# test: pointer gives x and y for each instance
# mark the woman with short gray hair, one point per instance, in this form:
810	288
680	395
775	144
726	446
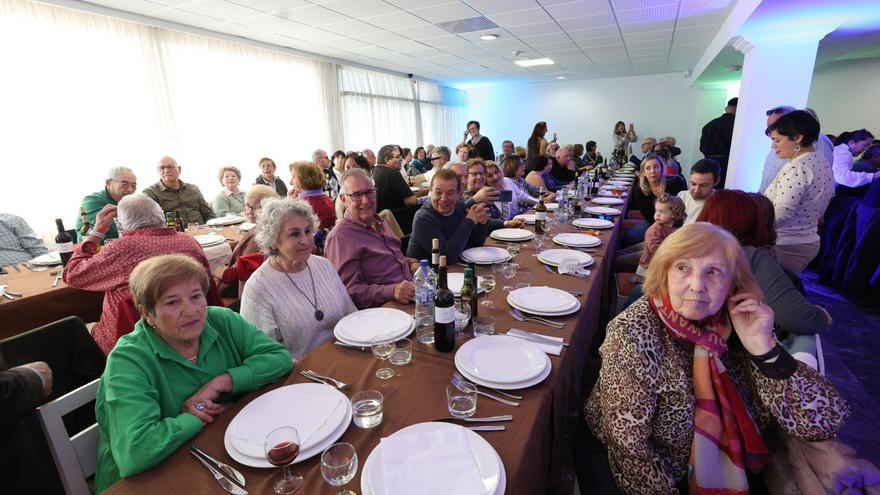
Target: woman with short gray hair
295	297
144	235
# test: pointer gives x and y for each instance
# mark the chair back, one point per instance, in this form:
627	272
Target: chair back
76	457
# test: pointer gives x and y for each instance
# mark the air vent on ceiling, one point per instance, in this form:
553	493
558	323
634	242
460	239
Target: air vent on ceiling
468	25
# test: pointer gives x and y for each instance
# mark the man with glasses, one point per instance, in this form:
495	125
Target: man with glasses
321	159
364	249
439	157
174	195
391	189
647	147
121	182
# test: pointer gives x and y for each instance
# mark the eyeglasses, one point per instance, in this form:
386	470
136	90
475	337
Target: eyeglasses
127	185
167	167
435	158
357	196
476	174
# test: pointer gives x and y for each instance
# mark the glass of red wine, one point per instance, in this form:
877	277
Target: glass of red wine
282	447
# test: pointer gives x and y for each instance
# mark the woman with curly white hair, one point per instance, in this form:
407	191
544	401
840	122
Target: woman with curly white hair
294	297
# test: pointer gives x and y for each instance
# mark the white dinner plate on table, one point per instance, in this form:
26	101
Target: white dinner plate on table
609	194
528	218
49	259
247	226
360	327
506	386
551	206
554	257
485	255
206	240
621	181
592	223
511	235
487	460
501	359
607	201
455	280
602	210
292	405
225	220
536	312
542	298
571	239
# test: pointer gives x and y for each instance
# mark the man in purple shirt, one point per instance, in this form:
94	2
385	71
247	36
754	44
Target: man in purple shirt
364	249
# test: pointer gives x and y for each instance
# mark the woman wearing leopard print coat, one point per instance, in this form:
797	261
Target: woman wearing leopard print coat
691	374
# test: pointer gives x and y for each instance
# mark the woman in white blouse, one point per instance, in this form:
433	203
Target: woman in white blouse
294	297
801	190
850	144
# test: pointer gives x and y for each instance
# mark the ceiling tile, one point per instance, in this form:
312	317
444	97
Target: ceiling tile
546	39
188	18
573	9
421	32
311	34
271	23
271	5
412	4
351	28
378	38
445	12
446	42
662	34
598	42
703	20
494	6
136	6
346	44
640	4
403	46
423	52
220	9
535	29
520	17
696	7
647	26
371	51
394	21
583	34
360	8
649	15
592	22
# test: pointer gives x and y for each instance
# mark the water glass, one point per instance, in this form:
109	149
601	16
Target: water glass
339	464
462	315
367	408
402	353
281	447
461	399
484	325
383	346
522	280
425	333
513	249
509	271
487	282
538	242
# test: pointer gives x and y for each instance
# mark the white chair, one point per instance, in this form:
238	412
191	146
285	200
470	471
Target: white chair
75	457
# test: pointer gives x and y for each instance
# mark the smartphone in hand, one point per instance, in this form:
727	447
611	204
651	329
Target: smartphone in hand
506	196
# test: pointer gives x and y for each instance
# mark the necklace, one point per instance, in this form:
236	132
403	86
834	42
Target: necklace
319	315
193	358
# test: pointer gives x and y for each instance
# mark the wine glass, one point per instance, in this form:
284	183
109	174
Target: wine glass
281	448
538	243
487	282
512	249
339	464
462	316
509	271
383	347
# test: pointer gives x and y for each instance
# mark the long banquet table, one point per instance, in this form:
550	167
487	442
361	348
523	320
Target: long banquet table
529	448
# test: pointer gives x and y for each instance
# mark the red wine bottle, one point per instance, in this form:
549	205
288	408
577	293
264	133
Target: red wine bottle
435	255
444	312
282	454
63	242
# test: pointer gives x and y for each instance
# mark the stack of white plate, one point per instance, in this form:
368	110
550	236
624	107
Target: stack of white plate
455	280
607	201
502	362
554	257
592	223
207	240
488	462
609	194
49	259
512	235
246	226
576	240
602	210
485	255
226	220
621	181
543	301
528	218
321	414
360	327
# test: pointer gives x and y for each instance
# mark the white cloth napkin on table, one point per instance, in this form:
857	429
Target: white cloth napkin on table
549	349
439	462
577	271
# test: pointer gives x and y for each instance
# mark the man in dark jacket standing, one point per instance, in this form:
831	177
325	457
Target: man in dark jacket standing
717	136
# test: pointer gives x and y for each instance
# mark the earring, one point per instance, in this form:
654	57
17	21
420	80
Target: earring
797	148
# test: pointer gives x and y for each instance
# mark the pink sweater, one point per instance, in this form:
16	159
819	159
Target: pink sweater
653	237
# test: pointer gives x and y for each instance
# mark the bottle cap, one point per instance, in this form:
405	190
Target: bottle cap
435	243
443	261
423	263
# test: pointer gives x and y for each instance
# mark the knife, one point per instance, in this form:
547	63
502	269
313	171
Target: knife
506	417
535	338
224	482
57	278
225	468
486	428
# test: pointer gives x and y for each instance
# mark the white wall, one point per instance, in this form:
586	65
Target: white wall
845	95
579	111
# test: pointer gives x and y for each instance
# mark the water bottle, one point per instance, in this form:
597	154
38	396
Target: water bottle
425	281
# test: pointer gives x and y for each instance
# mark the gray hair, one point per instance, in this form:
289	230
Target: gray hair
443	150
139	211
317	155
452	163
275	212
354	172
115	171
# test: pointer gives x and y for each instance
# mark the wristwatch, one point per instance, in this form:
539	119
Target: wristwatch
94	233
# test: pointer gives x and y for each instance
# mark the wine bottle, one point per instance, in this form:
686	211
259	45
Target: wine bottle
169	219
86	224
63	242
444	312
435	255
540	213
476	290
468	290
178	222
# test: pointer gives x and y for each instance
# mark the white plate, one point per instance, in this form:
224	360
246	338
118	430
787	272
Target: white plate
592	223
607	201
621	181
488	461
247	226
227	220
546	313
553	257
454	281
602	210
576	240
49	259
511	235
528	218
551	206
541	298
396	336
507	386
362	326
502	359
607	193
329	432
209	239
485	255
415	189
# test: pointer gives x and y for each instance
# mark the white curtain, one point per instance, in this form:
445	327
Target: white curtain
443	114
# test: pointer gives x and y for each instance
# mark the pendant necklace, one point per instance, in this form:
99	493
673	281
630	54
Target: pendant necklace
319	315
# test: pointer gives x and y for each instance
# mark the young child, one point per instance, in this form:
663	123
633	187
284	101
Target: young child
669	215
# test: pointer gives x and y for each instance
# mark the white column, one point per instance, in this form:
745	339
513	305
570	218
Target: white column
775	72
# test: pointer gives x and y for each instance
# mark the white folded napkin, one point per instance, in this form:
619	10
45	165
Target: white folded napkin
549	349
250	432
439	462
577	271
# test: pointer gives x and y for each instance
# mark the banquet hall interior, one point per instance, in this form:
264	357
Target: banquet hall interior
241	195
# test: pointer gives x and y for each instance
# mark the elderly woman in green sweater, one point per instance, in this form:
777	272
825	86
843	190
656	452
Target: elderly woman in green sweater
171	375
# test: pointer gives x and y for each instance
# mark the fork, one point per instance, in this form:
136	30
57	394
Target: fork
458	381
512	396
517	315
338	384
